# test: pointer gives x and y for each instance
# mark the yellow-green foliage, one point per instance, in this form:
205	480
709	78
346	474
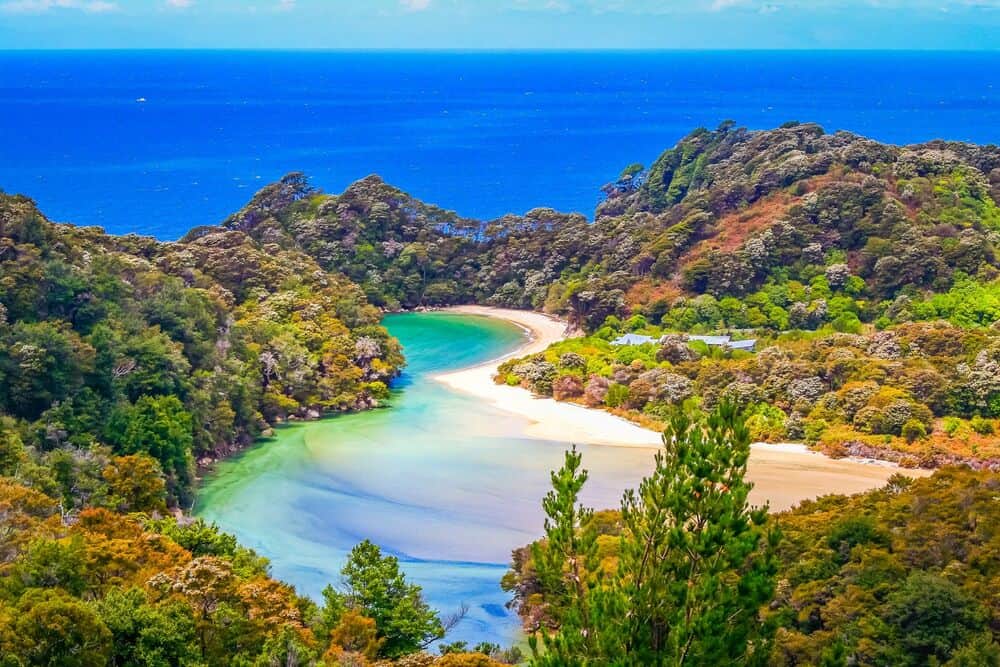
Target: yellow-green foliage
240	335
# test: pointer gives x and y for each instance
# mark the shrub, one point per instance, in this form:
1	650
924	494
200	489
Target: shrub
853	396
847	323
982	426
635	323
675	349
742	394
567	386
538	373
661	385
596	390
572	360
617	395
914	430
901	411
814	429
454	659
766	424
795	427
890	419
806	389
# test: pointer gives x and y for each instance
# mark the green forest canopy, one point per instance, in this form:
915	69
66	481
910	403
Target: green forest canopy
869	269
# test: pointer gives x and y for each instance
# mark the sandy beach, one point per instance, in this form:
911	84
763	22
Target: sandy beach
784	474
550	419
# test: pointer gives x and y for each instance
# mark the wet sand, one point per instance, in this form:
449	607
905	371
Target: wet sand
784	475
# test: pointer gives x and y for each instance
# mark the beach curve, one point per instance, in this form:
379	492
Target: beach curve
549	419
784	474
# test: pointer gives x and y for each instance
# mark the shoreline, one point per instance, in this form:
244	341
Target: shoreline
549	419
784	473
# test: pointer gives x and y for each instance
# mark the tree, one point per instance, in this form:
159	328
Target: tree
24	512
51	564
152	365
40	363
160	427
565	557
930	617
135	483
355	634
51	628
144	635
287	647
695	561
12	451
334	606
377	589
206	539
208	586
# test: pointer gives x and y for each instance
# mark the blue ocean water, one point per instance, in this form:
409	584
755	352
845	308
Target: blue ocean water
480	133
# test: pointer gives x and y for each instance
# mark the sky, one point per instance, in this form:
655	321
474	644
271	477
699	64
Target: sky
501	24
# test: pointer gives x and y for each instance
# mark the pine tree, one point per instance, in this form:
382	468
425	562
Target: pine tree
696	561
377	588
563	562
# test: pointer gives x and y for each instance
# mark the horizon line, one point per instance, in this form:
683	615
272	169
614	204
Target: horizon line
484	50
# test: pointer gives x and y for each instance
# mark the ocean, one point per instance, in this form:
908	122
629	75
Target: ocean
156	142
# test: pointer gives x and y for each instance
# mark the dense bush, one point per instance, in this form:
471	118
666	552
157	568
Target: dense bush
902	575
882	393
175	350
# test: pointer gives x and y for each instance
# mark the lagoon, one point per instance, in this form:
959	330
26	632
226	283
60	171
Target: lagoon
445	482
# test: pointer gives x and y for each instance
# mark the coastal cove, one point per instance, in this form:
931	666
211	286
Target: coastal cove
450	476
445	482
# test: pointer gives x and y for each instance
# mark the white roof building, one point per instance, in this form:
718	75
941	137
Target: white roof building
632	339
711	341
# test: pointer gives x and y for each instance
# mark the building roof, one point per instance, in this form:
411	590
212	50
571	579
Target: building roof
632	339
712	340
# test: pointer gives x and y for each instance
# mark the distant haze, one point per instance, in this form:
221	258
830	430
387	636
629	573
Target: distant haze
501	24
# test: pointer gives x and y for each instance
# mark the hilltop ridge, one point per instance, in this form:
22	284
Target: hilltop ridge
722	213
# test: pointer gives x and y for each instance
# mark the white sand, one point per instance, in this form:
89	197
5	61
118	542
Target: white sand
550	419
784	474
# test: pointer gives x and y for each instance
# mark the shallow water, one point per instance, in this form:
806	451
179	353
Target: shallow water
440	480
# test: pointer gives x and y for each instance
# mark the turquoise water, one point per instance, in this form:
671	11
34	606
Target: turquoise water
447	484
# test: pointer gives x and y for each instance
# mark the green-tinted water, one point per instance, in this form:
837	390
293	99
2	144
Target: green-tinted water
439	479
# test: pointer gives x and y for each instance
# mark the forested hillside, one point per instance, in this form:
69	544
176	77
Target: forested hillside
122	361
170	350
868	273
804	228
